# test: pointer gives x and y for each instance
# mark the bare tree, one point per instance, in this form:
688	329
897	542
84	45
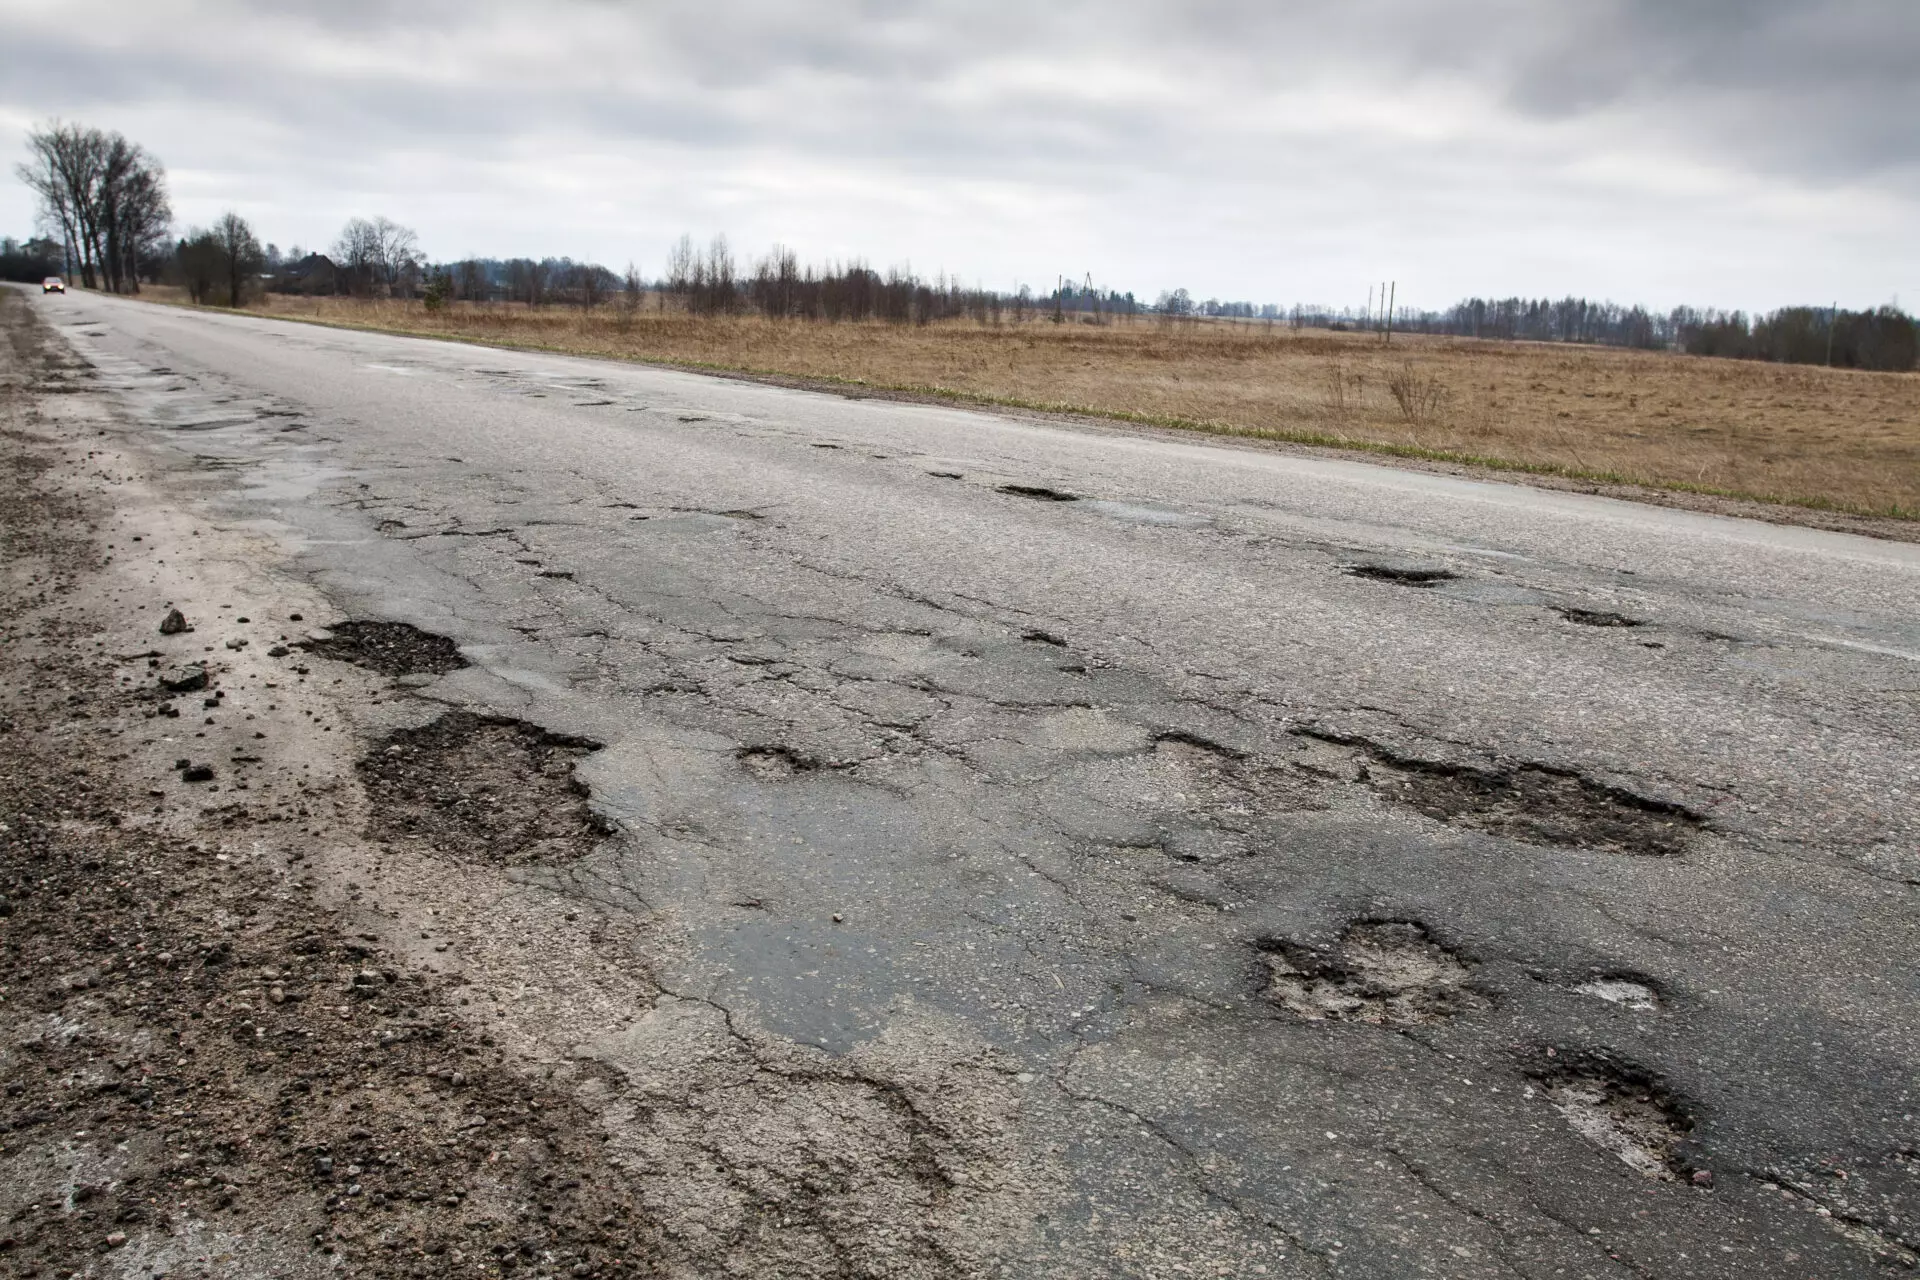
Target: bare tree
354	257
104	196
377	254
240	256
473	281
592	284
197	259
396	254
133	211
683	267
63	169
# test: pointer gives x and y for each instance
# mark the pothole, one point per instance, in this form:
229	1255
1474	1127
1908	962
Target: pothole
1387	973
1596	617
1531	803
1039	492
1628	993
390	648
1622	1113
1401	576
482	789
775	764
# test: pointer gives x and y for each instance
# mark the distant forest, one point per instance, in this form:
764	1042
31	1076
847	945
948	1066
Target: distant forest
106	223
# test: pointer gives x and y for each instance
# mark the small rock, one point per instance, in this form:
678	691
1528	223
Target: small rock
236	643
1703	1178
278	995
174	623
294	617
837	917
197	773
115	1239
278	651
187	679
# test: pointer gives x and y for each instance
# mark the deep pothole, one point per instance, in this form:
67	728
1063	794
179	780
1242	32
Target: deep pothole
1624	1113
1531	803
390	648
1596	617
482	789
1039	492
1389	973
1405	577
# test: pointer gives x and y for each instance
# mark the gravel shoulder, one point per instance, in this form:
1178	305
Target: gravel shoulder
213	1058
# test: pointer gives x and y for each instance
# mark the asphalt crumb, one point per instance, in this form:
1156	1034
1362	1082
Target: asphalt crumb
1387	973
390	648
484	789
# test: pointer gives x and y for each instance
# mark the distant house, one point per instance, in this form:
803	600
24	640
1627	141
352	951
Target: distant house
313	276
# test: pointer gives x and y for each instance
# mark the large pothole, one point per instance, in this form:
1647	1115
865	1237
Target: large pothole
482	789
390	648
1401	575
1639	1123
1389	973
1532	803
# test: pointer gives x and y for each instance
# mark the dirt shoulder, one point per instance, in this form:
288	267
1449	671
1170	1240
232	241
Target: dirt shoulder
208	1065
309	966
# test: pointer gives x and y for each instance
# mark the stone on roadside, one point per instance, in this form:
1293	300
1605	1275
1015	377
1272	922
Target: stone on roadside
185	679
174	623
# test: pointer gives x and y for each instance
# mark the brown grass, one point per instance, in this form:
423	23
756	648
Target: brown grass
1830	439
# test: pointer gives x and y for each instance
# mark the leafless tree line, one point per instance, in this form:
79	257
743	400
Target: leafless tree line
378	254
221	263
104	197
711	282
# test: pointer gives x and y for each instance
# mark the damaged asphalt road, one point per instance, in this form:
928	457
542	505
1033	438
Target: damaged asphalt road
987	847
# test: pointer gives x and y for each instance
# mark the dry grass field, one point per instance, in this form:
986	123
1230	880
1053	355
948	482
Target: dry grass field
1827	439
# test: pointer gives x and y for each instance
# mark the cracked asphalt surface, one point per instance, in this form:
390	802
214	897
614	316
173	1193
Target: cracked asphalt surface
1036	850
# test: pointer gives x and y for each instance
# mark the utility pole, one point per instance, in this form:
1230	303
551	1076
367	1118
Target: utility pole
1833	319
1391	299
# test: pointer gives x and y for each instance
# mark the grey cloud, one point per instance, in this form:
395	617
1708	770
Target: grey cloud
1219	112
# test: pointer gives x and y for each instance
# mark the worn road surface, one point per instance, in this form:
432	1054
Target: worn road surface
931	843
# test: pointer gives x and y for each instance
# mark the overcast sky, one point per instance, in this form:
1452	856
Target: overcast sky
1726	152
